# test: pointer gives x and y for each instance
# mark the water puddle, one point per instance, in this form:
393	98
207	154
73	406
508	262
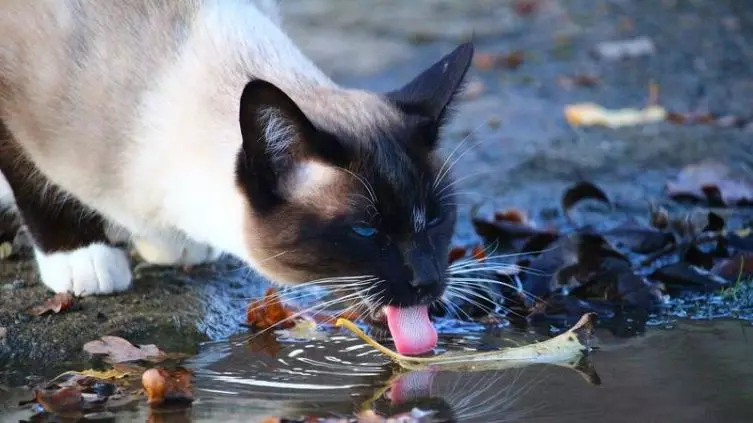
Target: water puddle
696	371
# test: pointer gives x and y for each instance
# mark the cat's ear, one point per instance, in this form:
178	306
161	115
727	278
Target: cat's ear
277	136
430	94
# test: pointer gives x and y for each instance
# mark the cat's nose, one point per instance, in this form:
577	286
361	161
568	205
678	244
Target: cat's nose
424	282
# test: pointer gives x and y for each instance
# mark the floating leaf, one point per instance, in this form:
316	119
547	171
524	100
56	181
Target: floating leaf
118	350
163	387
565	347
269	312
57	304
583	191
63	401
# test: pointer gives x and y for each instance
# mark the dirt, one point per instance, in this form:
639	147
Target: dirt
524	152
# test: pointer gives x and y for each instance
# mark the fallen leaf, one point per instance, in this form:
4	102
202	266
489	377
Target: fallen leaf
582	191
579	80
6	250
455	254
107	374
269	312
118	350
512	215
714	182
563	348
625	49
735	268
525	7
57	304
61	401
659	216
638	238
487	61
164	387
478	253
691	118
590	114
683	277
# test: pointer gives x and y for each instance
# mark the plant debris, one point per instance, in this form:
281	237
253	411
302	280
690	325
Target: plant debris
118	350
73	395
565	347
590	114
57	304
583	191
3	334
487	61
578	80
163	387
713	182
625	49
269	312
736	268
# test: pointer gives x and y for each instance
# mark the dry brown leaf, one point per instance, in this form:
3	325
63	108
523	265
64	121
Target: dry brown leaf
714	182
525	7
268	312
581	80
737	267
487	61
455	254
162	386
512	215
118	350
589	114
60	401
57	304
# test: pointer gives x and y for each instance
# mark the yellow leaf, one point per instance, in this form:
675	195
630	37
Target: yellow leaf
105	375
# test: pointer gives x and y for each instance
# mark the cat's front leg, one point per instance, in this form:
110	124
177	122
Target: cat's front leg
71	248
174	250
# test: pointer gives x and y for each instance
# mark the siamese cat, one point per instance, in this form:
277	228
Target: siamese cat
195	128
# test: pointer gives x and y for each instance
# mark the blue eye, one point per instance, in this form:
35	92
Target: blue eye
364	231
435	221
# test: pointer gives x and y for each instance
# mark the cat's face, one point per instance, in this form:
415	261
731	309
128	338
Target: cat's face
375	209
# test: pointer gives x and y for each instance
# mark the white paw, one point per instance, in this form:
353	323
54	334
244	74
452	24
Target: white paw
169	253
96	269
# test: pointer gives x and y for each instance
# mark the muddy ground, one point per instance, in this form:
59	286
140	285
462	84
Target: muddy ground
525	152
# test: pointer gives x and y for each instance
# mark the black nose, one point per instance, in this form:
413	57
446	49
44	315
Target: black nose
424	282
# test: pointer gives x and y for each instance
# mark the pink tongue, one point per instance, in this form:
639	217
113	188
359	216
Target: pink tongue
411	329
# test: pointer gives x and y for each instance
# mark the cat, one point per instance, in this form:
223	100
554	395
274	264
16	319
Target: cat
197	128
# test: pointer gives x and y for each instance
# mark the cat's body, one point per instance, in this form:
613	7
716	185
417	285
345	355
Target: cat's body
196	127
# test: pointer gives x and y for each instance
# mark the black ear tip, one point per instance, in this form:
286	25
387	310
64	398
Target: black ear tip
462	55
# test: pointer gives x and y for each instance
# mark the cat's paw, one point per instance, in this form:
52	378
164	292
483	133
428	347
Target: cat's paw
93	270
167	253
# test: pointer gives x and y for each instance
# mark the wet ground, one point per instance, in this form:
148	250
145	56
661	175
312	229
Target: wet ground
523	155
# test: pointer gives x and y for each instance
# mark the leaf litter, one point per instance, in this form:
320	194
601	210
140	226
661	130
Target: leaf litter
57	304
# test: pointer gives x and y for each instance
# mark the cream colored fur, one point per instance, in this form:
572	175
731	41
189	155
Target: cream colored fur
132	107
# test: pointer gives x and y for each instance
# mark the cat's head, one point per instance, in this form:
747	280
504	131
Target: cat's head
356	190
